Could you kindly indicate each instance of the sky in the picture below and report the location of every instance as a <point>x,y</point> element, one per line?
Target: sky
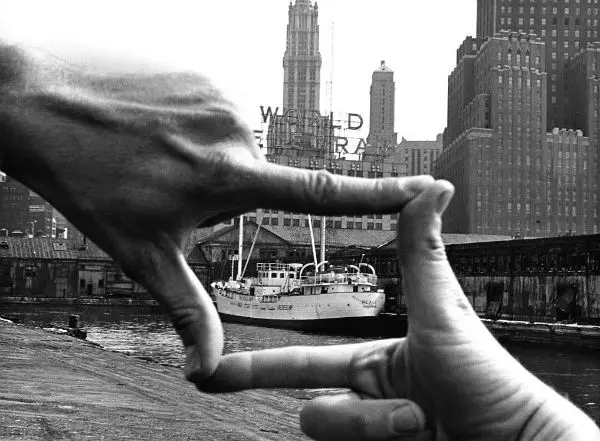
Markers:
<point>240,44</point>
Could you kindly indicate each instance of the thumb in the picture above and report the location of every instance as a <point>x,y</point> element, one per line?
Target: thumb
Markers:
<point>161,267</point>
<point>348,417</point>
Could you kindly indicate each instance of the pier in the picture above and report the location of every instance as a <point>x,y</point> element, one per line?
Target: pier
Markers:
<point>58,387</point>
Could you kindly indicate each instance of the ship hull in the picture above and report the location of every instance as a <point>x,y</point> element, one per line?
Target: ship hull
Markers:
<point>345,325</point>
<point>337,312</point>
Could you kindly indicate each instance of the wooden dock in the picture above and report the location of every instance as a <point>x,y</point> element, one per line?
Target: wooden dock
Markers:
<point>60,388</point>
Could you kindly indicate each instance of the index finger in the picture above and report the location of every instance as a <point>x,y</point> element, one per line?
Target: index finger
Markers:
<point>321,192</point>
<point>290,367</point>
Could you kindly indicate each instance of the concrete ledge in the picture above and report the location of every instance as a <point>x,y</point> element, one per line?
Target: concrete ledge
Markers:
<point>568,335</point>
<point>58,387</point>
<point>85,301</point>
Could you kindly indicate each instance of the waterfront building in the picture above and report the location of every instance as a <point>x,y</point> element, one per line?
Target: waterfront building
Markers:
<point>278,243</point>
<point>44,267</point>
<point>22,211</point>
<point>65,229</point>
<point>543,280</point>
<point>382,108</point>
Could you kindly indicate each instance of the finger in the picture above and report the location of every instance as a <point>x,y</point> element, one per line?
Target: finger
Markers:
<point>459,372</point>
<point>297,367</point>
<point>348,417</point>
<point>320,192</point>
<point>163,270</point>
<point>434,296</point>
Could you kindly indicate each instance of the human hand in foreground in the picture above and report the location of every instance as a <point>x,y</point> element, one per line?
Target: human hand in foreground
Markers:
<point>136,161</point>
<point>449,379</point>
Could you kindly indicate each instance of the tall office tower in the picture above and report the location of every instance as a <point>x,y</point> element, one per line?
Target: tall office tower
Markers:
<point>512,175</point>
<point>566,26</point>
<point>494,149</point>
<point>302,59</point>
<point>383,95</point>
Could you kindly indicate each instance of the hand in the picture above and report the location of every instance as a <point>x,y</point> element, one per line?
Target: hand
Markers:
<point>448,379</point>
<point>136,161</point>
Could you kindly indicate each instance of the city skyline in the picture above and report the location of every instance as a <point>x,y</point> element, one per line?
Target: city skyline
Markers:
<point>386,31</point>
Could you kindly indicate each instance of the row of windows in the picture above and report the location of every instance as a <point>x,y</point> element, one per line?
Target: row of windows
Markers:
<point>370,216</point>
<point>566,10</point>
<point>589,2</point>
<point>330,224</point>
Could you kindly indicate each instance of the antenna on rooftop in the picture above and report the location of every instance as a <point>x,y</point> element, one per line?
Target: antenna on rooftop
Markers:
<point>330,82</point>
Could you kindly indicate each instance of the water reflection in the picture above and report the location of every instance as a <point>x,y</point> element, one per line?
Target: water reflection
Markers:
<point>146,334</point>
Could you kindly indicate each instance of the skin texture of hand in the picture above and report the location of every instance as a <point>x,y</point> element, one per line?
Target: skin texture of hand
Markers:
<point>448,379</point>
<point>138,160</point>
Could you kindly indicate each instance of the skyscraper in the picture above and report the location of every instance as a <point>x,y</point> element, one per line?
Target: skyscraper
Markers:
<point>382,107</point>
<point>302,59</point>
<point>566,26</point>
<point>521,144</point>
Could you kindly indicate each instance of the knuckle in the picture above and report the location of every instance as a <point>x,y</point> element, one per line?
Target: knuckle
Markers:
<point>323,188</point>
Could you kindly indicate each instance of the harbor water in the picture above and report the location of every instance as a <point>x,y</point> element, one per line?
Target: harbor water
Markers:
<point>148,334</point>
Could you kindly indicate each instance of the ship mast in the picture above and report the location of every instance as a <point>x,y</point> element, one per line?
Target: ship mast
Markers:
<point>240,243</point>
<point>325,155</point>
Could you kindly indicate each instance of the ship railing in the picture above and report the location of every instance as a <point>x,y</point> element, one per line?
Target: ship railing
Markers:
<point>274,267</point>
<point>352,278</point>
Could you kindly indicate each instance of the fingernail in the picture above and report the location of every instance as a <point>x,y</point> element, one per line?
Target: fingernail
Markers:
<point>443,201</point>
<point>404,420</point>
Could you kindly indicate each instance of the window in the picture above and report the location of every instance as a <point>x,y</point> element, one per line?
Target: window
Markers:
<point>287,222</point>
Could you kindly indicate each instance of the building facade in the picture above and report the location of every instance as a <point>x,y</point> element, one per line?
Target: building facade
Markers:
<point>418,157</point>
<point>23,211</point>
<point>44,267</point>
<point>512,175</point>
<point>566,26</point>
<point>382,108</point>
<point>302,59</point>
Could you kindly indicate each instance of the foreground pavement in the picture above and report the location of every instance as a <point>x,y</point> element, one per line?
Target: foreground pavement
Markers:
<point>55,387</point>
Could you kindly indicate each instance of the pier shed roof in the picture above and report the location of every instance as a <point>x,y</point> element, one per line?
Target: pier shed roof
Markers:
<point>45,248</point>
<point>336,238</point>
<point>341,238</point>
<point>455,239</point>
